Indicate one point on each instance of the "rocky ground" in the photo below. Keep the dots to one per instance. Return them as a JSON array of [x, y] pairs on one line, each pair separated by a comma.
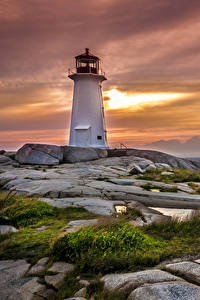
[[97, 185], [170, 281], [102, 186]]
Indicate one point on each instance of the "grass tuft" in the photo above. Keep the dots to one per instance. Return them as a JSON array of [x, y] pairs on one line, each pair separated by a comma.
[[179, 175]]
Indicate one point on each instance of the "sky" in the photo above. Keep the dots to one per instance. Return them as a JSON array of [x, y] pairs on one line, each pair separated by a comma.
[[149, 50]]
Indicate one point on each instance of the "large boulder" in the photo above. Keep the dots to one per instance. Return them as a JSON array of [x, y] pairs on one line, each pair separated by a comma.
[[39, 154], [129, 281], [79, 154], [156, 157]]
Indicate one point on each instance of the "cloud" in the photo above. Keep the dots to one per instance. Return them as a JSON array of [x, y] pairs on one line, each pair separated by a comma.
[[145, 45]]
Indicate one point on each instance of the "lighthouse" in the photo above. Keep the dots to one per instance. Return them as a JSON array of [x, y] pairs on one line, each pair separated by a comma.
[[87, 118]]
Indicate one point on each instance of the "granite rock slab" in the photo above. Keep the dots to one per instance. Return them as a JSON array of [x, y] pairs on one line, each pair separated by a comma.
[[166, 291]]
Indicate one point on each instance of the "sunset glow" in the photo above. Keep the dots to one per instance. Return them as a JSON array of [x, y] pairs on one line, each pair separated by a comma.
[[148, 49], [117, 99]]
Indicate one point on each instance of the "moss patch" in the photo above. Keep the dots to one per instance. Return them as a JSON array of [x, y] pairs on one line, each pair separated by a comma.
[[178, 175], [150, 187]]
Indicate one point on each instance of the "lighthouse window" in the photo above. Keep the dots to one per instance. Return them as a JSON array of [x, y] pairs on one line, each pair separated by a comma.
[[99, 137], [82, 64]]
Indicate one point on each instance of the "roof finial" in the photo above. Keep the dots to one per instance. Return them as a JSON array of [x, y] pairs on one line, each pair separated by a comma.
[[87, 51]]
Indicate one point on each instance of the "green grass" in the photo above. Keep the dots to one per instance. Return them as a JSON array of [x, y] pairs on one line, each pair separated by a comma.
[[27, 215], [149, 186], [120, 247], [112, 246], [107, 248], [179, 175]]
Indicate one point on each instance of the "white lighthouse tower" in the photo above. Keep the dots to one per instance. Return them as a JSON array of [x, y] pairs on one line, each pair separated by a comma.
[[87, 118]]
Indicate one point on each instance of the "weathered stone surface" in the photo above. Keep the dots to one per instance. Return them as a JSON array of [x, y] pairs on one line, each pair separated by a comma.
[[15, 182], [4, 160], [129, 281], [46, 293], [10, 154], [50, 188], [10, 272], [167, 291], [155, 184], [189, 270], [122, 181], [78, 191], [167, 173], [197, 261], [151, 215], [81, 293], [55, 280], [110, 187], [155, 156], [150, 219], [61, 267], [163, 166], [7, 229], [29, 290], [39, 154], [151, 167], [135, 169], [102, 153], [95, 205], [74, 226], [40, 266], [78, 154]]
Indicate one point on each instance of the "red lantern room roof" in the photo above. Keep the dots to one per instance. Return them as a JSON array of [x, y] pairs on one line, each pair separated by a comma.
[[87, 55]]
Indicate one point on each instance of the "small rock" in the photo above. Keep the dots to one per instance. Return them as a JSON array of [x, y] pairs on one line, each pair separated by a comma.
[[39, 267], [197, 261], [166, 173], [2, 152], [55, 280], [43, 228], [134, 169], [163, 166], [4, 229], [81, 293], [150, 167], [84, 282], [138, 222], [62, 267]]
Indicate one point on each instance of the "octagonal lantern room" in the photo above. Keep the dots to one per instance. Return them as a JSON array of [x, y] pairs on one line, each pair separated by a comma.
[[87, 63]]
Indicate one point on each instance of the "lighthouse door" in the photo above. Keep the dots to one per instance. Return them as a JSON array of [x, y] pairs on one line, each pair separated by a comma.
[[82, 136]]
